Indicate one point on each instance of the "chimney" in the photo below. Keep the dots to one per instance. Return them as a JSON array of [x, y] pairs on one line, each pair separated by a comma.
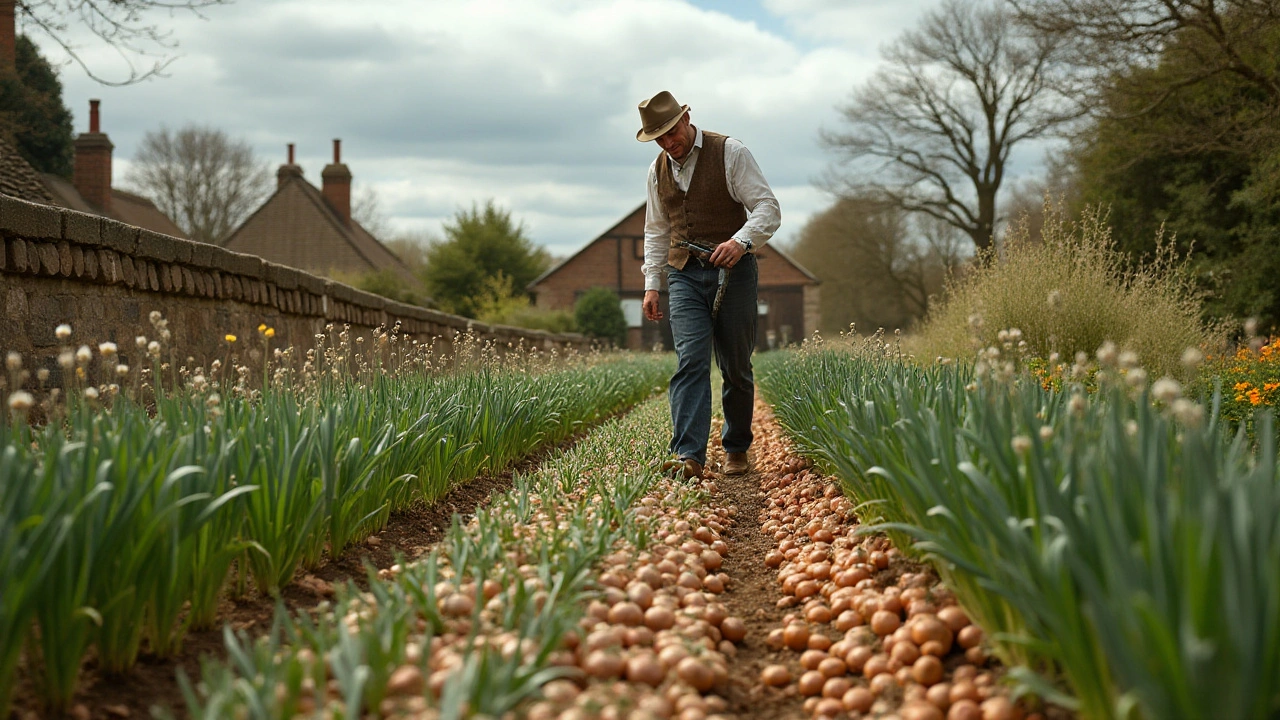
[[8, 35], [288, 170], [92, 176], [336, 185]]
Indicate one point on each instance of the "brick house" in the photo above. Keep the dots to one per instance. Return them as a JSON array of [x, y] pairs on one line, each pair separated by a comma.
[[311, 228], [90, 189], [787, 294]]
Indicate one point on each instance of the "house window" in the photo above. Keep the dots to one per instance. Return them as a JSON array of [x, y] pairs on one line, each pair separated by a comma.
[[633, 311]]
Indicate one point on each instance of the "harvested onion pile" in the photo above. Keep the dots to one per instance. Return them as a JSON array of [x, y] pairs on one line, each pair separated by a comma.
[[875, 636], [657, 642]]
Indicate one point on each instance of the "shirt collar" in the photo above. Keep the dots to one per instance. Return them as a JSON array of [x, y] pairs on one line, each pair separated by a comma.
[[693, 151]]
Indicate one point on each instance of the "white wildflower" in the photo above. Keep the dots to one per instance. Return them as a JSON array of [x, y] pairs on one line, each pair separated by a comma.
[[1107, 353], [1166, 390], [108, 349], [1021, 444], [153, 349], [67, 359], [1192, 357], [63, 331], [21, 401], [13, 361], [1046, 432], [91, 393]]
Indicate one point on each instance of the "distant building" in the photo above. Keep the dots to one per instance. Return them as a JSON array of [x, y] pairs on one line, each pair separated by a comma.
[[90, 189], [787, 293], [312, 229]]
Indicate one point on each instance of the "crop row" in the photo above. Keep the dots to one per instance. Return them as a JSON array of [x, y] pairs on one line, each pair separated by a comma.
[[504, 606], [121, 525], [1119, 549]]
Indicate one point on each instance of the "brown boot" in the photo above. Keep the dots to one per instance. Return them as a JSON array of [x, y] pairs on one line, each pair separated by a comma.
[[692, 469], [736, 463]]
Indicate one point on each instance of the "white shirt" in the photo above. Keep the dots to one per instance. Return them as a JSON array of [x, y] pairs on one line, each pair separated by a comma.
[[747, 186]]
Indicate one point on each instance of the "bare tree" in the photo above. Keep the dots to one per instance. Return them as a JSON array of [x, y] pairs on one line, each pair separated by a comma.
[[1236, 37], [878, 269], [203, 179], [1133, 57], [933, 130], [120, 24]]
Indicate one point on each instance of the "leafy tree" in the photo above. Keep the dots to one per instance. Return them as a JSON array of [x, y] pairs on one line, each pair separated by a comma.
[[933, 130], [1180, 166], [479, 244], [1189, 42], [32, 114], [205, 180], [598, 313], [122, 25]]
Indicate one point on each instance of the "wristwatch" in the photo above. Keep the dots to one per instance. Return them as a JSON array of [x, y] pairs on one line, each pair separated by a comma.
[[746, 244]]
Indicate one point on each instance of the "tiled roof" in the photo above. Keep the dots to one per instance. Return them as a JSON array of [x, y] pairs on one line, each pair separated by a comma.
[[125, 206], [297, 227], [18, 179]]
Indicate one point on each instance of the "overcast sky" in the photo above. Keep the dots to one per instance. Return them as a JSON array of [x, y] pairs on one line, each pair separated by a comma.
[[442, 103]]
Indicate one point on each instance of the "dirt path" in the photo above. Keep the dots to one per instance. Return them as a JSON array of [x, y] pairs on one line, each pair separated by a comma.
[[755, 593]]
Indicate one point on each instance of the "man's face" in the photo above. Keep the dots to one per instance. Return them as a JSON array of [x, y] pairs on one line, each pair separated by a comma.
[[678, 141]]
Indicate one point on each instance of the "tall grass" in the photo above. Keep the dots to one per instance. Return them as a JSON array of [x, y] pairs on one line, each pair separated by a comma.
[[1120, 549], [1070, 291]]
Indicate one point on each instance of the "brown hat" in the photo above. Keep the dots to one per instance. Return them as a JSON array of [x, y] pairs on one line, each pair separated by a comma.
[[659, 114]]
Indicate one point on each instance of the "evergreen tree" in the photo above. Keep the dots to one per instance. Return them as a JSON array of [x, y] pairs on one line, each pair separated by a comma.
[[480, 244], [32, 115]]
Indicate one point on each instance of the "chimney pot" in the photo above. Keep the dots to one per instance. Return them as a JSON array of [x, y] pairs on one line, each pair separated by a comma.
[[291, 154], [336, 185], [92, 174], [8, 34]]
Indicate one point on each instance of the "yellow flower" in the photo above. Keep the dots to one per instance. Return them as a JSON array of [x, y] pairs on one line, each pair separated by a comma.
[[269, 332], [262, 327], [231, 338], [1242, 386]]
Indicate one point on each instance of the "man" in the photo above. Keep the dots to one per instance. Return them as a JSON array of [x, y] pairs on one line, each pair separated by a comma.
[[705, 189]]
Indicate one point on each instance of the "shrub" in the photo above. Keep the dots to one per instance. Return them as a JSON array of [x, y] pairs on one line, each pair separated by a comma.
[[1069, 293], [598, 313]]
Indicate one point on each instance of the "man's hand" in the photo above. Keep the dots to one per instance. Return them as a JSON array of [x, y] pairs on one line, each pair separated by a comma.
[[727, 254], [652, 310]]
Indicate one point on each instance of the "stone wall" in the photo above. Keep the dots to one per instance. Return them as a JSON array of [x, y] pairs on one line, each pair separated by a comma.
[[104, 278]]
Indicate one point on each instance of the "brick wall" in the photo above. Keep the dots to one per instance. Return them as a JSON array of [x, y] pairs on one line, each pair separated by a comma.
[[103, 278]]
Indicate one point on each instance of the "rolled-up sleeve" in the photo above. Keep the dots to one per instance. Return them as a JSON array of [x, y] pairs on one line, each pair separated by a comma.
[[657, 234], [748, 186]]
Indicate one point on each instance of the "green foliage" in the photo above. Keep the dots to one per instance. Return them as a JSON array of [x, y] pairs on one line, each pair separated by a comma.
[[1070, 293], [1203, 163], [598, 313], [1118, 549], [32, 114], [386, 283], [479, 244]]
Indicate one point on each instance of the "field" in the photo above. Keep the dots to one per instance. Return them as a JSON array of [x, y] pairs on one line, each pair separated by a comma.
[[373, 531]]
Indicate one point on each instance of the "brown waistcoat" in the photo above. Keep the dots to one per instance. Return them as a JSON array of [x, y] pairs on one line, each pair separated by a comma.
[[706, 214]]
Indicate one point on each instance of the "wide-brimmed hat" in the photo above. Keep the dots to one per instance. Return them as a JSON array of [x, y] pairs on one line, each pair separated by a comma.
[[659, 114]]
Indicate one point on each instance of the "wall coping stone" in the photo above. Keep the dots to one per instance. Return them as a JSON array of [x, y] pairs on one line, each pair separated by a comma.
[[112, 252]]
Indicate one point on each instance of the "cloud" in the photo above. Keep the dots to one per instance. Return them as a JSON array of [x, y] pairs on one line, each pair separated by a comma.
[[451, 102]]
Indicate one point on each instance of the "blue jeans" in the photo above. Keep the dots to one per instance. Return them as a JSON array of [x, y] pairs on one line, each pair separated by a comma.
[[732, 337]]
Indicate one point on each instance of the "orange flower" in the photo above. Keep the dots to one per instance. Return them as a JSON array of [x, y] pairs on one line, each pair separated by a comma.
[[1268, 387], [1242, 386], [1255, 397]]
